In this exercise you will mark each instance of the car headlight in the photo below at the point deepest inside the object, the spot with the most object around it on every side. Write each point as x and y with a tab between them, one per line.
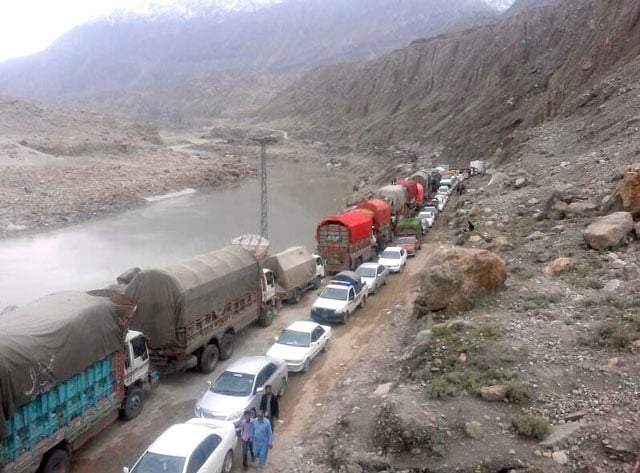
236	416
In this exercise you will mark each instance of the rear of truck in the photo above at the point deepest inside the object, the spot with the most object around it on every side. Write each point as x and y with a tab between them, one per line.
346	241
296	271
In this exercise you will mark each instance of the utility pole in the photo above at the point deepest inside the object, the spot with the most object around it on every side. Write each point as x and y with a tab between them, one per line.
264	202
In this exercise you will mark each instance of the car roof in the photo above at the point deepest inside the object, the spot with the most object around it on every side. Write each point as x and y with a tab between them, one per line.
369	265
180	440
249	364
396	248
302	326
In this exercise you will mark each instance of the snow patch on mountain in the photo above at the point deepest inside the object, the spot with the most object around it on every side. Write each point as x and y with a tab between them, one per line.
500	5
189	8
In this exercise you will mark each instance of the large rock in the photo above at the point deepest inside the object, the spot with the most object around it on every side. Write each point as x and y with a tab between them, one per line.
494	393
580	208
558	266
561	434
636	230
609	231
627	195
455	277
498	179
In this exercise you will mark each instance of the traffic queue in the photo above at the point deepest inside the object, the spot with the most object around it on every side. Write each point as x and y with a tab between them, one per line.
186	316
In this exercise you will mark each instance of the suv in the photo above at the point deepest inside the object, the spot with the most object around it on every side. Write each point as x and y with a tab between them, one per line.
344	294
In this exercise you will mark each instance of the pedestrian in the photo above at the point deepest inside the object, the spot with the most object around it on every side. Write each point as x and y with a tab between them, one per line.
262	437
269	406
245	436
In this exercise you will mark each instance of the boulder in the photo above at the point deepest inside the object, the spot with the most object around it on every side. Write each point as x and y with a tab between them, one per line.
494	393
560	457
580	208
636	230
456	277
612	286
609	231
473	429
561	434
627	195
537	235
558	266
498	179
520	183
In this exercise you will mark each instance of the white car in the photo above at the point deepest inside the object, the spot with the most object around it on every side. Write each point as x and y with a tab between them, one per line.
300	343
426	216
441	202
393	258
197	446
444	190
374	276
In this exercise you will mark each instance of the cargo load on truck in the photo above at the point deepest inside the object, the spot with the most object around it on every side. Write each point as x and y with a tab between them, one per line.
296	271
50	340
409	226
397	197
380	210
424	179
256	244
345	241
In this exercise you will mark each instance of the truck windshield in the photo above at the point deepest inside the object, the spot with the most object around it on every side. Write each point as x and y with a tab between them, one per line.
335	293
391	254
156	462
230	383
366	272
294	339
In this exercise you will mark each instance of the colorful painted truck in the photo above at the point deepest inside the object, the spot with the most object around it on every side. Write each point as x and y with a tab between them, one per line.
381	213
69	367
345	241
296	271
191	311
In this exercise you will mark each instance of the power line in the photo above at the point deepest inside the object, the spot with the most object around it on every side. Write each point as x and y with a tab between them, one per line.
264	203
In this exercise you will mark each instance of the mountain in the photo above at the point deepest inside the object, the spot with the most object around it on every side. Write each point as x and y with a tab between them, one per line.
130	50
468	92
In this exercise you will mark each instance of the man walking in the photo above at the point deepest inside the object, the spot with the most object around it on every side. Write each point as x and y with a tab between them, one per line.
269	405
245	436
262	437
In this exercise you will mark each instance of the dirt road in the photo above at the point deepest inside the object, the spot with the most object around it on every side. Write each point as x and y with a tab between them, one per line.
175	398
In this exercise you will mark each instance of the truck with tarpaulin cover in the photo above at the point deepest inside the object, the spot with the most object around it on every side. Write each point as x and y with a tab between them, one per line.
409	227
345	241
411	189
381	213
424	179
69	367
191	311
396	196
296	271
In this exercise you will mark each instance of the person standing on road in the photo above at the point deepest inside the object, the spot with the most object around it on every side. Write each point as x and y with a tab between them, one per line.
262	437
269	405
245	436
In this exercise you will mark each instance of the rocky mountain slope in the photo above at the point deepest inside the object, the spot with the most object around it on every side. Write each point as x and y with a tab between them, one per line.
465	93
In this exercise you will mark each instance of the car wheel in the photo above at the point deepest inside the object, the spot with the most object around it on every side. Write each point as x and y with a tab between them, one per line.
282	390
227	465
307	365
208	359
325	347
375	289
132	405
345	318
226	346
364	301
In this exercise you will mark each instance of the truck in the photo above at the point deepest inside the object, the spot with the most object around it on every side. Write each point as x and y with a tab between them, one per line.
424	179
478	165
69	367
340	298
409	227
296	271
396	195
411	189
191	311
381	213
346	241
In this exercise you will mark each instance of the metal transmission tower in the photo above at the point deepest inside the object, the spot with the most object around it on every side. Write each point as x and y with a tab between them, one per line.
264	202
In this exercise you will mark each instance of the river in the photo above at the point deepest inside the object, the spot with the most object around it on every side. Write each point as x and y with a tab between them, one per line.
90	255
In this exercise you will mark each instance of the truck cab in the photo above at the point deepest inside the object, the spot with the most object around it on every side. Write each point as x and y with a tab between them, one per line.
138	376
320	271
268	286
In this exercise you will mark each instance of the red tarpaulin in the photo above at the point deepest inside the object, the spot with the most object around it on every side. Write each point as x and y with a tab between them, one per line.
358	223
381	211
412	188
420	194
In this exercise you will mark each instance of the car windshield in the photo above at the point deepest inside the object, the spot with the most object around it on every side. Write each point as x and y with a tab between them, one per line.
424	215
294	339
335	293
366	272
158	463
233	384
406	240
391	254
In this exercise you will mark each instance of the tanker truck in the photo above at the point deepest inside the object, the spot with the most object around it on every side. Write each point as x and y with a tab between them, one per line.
191	311
69	367
296	271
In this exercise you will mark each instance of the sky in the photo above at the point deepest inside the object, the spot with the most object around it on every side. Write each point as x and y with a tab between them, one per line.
29	26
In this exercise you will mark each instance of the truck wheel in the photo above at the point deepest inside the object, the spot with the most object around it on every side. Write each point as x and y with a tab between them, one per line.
57	461
133	402
226	346
227	466
297	295
267	317
208	359
317	282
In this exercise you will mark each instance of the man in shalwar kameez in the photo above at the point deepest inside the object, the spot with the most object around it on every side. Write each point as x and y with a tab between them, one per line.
262	437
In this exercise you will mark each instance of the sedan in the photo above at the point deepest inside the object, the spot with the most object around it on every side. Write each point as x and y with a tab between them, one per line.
239	388
300	343
197	446
393	258
409	243
374	276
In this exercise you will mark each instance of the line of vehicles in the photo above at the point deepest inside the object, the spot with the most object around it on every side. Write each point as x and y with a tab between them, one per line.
72	363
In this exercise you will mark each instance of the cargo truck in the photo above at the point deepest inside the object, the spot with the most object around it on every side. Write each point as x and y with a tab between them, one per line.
296	271
411	190
346	241
191	311
424	179
396	195
69	367
381	213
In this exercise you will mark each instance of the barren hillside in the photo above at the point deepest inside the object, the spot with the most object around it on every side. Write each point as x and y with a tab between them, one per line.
466	92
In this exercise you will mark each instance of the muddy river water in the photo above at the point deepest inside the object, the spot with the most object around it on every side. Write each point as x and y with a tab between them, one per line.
92	254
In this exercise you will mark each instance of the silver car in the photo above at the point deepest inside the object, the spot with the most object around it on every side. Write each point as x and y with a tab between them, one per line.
239	388
374	276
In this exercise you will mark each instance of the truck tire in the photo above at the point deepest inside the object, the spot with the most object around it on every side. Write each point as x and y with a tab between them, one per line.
267	316
132	404
57	461
208	359
317	282
295	297
226	346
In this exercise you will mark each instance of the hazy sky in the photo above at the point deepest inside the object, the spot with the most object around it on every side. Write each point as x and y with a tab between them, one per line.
28	26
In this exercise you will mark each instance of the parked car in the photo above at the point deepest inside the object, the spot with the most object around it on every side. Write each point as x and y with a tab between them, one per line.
445	190
338	300
409	243
197	446
441	202
300	343
433	208
393	258
427	218
239	388
374	276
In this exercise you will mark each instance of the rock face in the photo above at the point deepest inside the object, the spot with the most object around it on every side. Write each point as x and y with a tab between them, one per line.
636	230
558	266
580	208
627	195
494	393
609	231
457	277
